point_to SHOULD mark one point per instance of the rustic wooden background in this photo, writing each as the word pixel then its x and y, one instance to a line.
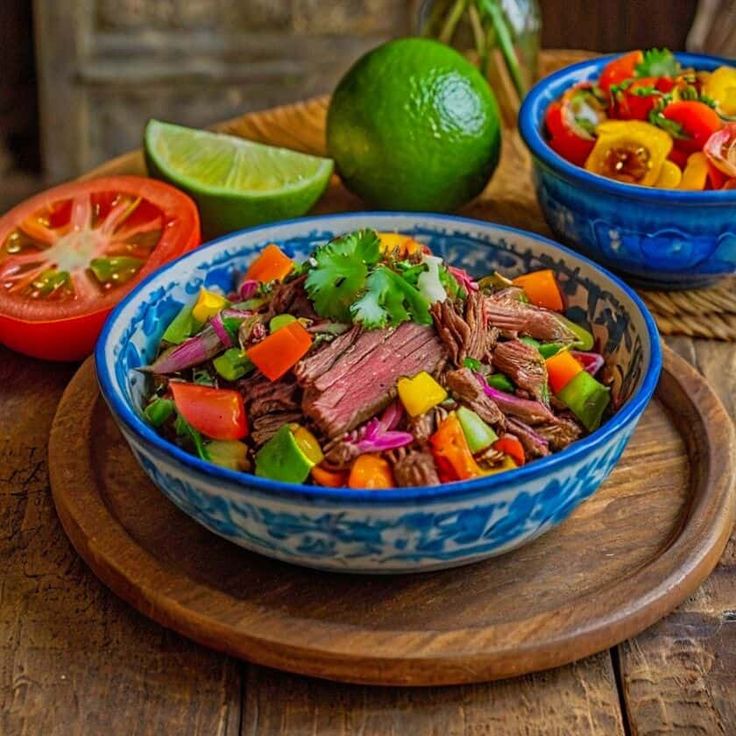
pixel 105 66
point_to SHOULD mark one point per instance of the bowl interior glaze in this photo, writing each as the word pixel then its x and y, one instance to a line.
pixel 596 299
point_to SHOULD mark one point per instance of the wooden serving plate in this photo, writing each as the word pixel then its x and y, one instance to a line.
pixel 625 558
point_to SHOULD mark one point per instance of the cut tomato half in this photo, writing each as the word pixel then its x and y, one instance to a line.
pixel 69 254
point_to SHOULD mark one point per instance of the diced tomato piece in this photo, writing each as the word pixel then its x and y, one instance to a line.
pixel 217 413
pixel 620 69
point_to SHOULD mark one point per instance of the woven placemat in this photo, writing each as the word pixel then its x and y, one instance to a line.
pixel 708 313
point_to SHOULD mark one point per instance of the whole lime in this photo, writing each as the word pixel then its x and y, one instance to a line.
pixel 413 125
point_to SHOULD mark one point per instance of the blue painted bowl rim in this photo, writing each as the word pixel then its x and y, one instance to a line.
pixel 633 408
pixel 531 116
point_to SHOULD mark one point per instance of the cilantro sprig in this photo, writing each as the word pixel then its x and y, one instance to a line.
pixel 340 273
pixel 658 63
pixel 347 282
pixel 388 301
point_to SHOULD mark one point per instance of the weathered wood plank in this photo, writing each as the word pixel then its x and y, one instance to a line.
pixel 73 658
pixel 579 699
pixel 679 676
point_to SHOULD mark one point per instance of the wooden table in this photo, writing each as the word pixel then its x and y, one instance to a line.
pixel 76 660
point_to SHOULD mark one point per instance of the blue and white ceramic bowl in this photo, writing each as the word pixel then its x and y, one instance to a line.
pixel 659 238
pixel 401 530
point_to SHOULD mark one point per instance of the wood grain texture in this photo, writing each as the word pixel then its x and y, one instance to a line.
pixel 73 659
pixel 679 676
pixel 660 525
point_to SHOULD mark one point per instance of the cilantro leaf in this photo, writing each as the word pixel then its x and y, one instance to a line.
pixel 658 63
pixel 388 301
pixel 340 273
pixel 668 126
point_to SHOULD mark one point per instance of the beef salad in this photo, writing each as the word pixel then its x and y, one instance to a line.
pixel 375 364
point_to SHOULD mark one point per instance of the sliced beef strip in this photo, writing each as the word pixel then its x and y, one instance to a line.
pixel 465 387
pixel 361 380
pixel 416 468
pixel 533 443
pixel 319 362
pixel 514 317
pixel 562 433
pixel 462 326
pixel 523 364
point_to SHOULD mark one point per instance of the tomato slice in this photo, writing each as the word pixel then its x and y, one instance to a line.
pixel 69 254
pixel 217 413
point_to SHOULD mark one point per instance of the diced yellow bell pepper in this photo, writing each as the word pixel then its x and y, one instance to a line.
pixel 506 464
pixel 208 304
pixel 308 443
pixel 420 393
pixel 630 151
pixel 398 245
pixel 695 175
pixel 720 86
pixel 670 176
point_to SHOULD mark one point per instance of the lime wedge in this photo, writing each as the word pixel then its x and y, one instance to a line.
pixel 236 183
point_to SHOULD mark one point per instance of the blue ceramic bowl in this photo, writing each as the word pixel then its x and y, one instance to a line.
pixel 659 238
pixel 401 530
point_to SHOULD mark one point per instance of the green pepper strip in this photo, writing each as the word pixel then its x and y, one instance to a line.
pixel 158 411
pixel 182 326
pixel 500 382
pixel 587 398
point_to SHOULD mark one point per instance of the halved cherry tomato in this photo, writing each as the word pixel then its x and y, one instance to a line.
pixel 69 254
pixel 620 69
pixel 637 100
pixel 218 413
pixel 567 142
pixel 698 122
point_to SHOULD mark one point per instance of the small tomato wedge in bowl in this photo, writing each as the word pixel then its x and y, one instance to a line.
pixel 69 254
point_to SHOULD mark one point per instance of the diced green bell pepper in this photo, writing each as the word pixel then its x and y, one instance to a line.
pixel 474 364
pixel 477 433
pixel 546 349
pixel 233 364
pixel 501 382
pixel 158 411
pixel 586 398
pixel 584 340
pixel 182 326
pixel 282 459
pixel 279 321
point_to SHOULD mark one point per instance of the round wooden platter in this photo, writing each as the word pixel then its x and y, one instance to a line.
pixel 627 557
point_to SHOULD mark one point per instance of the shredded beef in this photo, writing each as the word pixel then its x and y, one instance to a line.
pixel 531 412
pixel 523 364
pixel 533 443
pixel 425 425
pixel 415 468
pixel 269 405
pixel 562 433
pixel 340 454
pixel 462 327
pixel 466 388
pixel 291 298
pixel 355 376
pixel 514 317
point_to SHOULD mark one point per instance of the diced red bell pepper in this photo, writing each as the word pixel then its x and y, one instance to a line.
pixel 620 69
pixel 217 413
pixel 509 445
pixel 280 351
pixel 451 452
